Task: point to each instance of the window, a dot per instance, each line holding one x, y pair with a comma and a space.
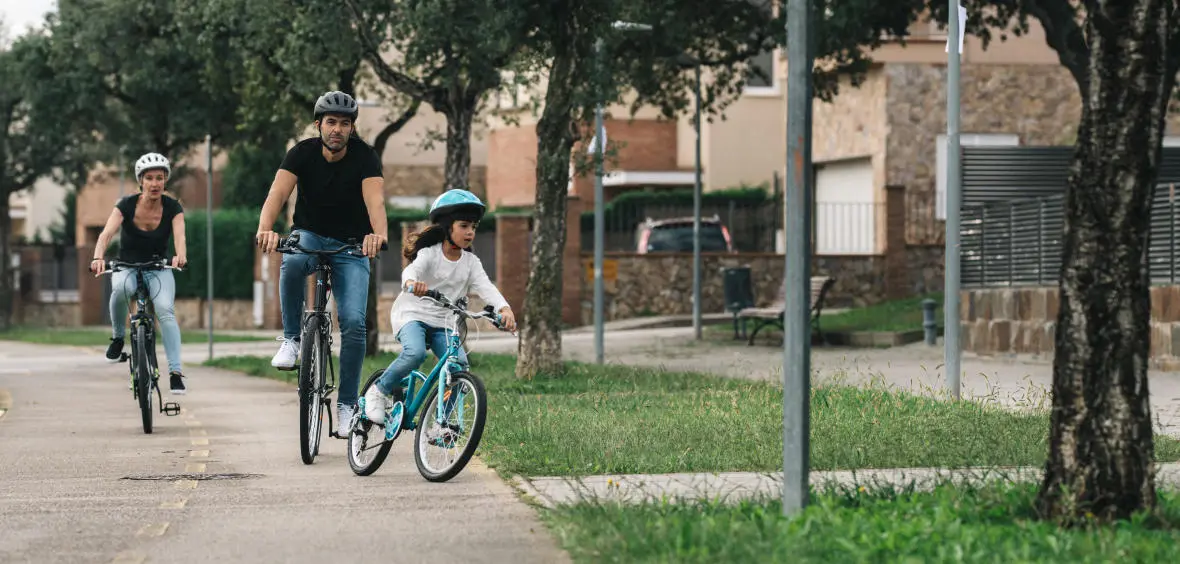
765, 80
965, 139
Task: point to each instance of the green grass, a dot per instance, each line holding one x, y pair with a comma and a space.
889, 316
611, 419
949, 524
894, 315
101, 337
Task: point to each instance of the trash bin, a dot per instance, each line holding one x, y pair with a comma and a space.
739, 294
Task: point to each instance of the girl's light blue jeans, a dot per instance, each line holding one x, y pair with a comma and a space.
162, 291
414, 336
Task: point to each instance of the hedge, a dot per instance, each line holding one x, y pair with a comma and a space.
233, 250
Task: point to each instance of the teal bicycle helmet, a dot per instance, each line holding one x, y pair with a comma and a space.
458, 204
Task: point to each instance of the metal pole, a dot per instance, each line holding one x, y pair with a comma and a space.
209, 235
599, 208
696, 219
796, 275
952, 350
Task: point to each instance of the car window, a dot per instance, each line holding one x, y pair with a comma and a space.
678, 238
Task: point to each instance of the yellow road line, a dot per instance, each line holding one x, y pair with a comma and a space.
200, 442
185, 484
196, 432
152, 530
129, 557
198, 454
197, 467
178, 504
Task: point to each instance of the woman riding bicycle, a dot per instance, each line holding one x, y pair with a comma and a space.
144, 222
438, 262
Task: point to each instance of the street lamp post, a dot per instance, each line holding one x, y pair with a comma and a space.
599, 208
688, 61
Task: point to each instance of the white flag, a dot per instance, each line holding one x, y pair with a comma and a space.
962, 24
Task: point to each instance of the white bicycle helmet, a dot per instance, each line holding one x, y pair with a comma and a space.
150, 161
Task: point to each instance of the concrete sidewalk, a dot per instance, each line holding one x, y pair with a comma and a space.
736, 486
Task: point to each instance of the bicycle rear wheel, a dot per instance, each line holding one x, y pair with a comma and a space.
311, 385
143, 377
443, 449
367, 447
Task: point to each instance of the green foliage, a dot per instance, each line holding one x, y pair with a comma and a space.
248, 174
63, 230
233, 250
138, 76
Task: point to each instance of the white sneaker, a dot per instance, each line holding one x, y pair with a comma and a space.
344, 414
287, 355
377, 404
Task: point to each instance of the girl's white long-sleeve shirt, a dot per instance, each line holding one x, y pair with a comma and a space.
453, 279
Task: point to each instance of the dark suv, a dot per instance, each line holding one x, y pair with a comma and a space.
674, 235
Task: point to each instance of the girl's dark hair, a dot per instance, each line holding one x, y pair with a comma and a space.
431, 235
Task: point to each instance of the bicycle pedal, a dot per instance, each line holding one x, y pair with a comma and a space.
171, 408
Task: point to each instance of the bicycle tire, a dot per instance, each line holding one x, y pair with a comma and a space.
143, 378
311, 405
481, 413
365, 469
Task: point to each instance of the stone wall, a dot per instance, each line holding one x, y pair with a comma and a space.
1023, 321
641, 285
1040, 103
926, 265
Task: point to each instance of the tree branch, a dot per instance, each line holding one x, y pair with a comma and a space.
372, 53
1064, 35
382, 138
282, 73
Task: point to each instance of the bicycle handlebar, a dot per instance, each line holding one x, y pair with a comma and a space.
290, 244
488, 312
113, 266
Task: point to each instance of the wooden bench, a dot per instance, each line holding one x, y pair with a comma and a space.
772, 316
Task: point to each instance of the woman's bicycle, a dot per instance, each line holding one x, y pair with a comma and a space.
451, 424
317, 374
145, 373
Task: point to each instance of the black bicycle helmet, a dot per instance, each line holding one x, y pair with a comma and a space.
336, 102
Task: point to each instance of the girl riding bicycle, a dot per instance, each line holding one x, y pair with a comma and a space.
442, 260
144, 222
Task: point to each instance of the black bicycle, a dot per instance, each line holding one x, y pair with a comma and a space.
145, 372
315, 338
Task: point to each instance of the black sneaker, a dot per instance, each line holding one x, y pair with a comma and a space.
115, 350
177, 384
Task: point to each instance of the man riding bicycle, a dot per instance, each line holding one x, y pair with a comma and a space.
341, 199
144, 222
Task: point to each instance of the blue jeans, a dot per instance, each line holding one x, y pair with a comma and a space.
350, 286
413, 337
162, 291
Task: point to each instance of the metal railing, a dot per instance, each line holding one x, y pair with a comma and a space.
847, 228
1019, 243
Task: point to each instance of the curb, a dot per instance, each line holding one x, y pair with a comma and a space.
5, 402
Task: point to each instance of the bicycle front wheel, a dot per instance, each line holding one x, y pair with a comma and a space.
443, 446
143, 378
311, 390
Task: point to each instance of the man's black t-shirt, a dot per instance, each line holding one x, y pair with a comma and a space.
329, 201
137, 245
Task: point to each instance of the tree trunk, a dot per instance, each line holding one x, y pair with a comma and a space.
1101, 454
458, 164
540, 328
6, 294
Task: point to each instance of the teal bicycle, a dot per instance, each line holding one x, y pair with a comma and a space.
451, 425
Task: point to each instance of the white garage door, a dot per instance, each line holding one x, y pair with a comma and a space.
845, 208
